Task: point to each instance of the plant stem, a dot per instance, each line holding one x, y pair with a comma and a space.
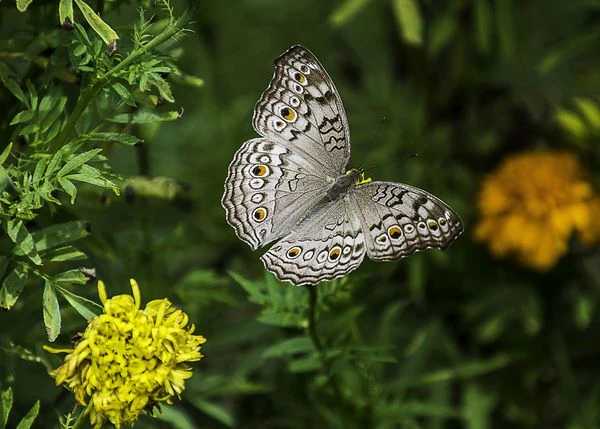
81, 418
314, 335
102, 81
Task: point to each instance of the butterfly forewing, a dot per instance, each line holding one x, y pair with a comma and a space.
302, 107
268, 189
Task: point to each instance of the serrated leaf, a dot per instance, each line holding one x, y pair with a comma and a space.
126, 139
96, 181
144, 117
65, 11
77, 161
39, 171
22, 238
31, 415
12, 286
86, 308
51, 310
107, 34
6, 401
290, 346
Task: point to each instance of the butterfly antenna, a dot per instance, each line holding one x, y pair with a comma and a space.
414, 155
383, 119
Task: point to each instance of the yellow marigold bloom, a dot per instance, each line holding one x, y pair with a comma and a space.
129, 359
532, 204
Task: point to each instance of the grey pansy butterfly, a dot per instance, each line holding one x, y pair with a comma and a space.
290, 185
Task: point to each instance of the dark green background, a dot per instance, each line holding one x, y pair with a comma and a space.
438, 340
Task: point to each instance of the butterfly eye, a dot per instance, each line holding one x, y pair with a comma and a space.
382, 238
294, 252
335, 253
288, 114
442, 221
259, 214
395, 232
298, 88
294, 101
260, 171
433, 226
265, 159
304, 69
409, 229
421, 225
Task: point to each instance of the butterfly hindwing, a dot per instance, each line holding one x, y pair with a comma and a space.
267, 190
302, 107
399, 220
328, 244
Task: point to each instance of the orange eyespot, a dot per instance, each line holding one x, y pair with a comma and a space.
288, 114
432, 225
260, 170
395, 232
259, 214
294, 252
335, 253
299, 77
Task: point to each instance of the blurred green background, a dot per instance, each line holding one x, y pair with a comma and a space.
454, 339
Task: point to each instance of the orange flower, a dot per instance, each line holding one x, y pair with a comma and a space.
532, 204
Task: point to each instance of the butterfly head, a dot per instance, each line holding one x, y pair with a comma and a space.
358, 176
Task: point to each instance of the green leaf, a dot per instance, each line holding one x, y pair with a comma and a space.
85, 307
77, 161
22, 5
24, 116
20, 236
69, 277
144, 117
27, 421
62, 254
312, 362
483, 25
7, 77
399, 412
96, 181
346, 11
290, 346
98, 25
505, 19
68, 187
52, 318
478, 406
408, 17
6, 401
5, 153
215, 411
12, 286
62, 233
65, 13
54, 162
126, 139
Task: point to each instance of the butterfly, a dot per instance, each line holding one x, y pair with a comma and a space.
290, 186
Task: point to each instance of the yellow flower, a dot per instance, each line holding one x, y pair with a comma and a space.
129, 359
532, 204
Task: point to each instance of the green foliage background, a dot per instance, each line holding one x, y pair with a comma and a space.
438, 340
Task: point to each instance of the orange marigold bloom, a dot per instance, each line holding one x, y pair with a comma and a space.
532, 204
